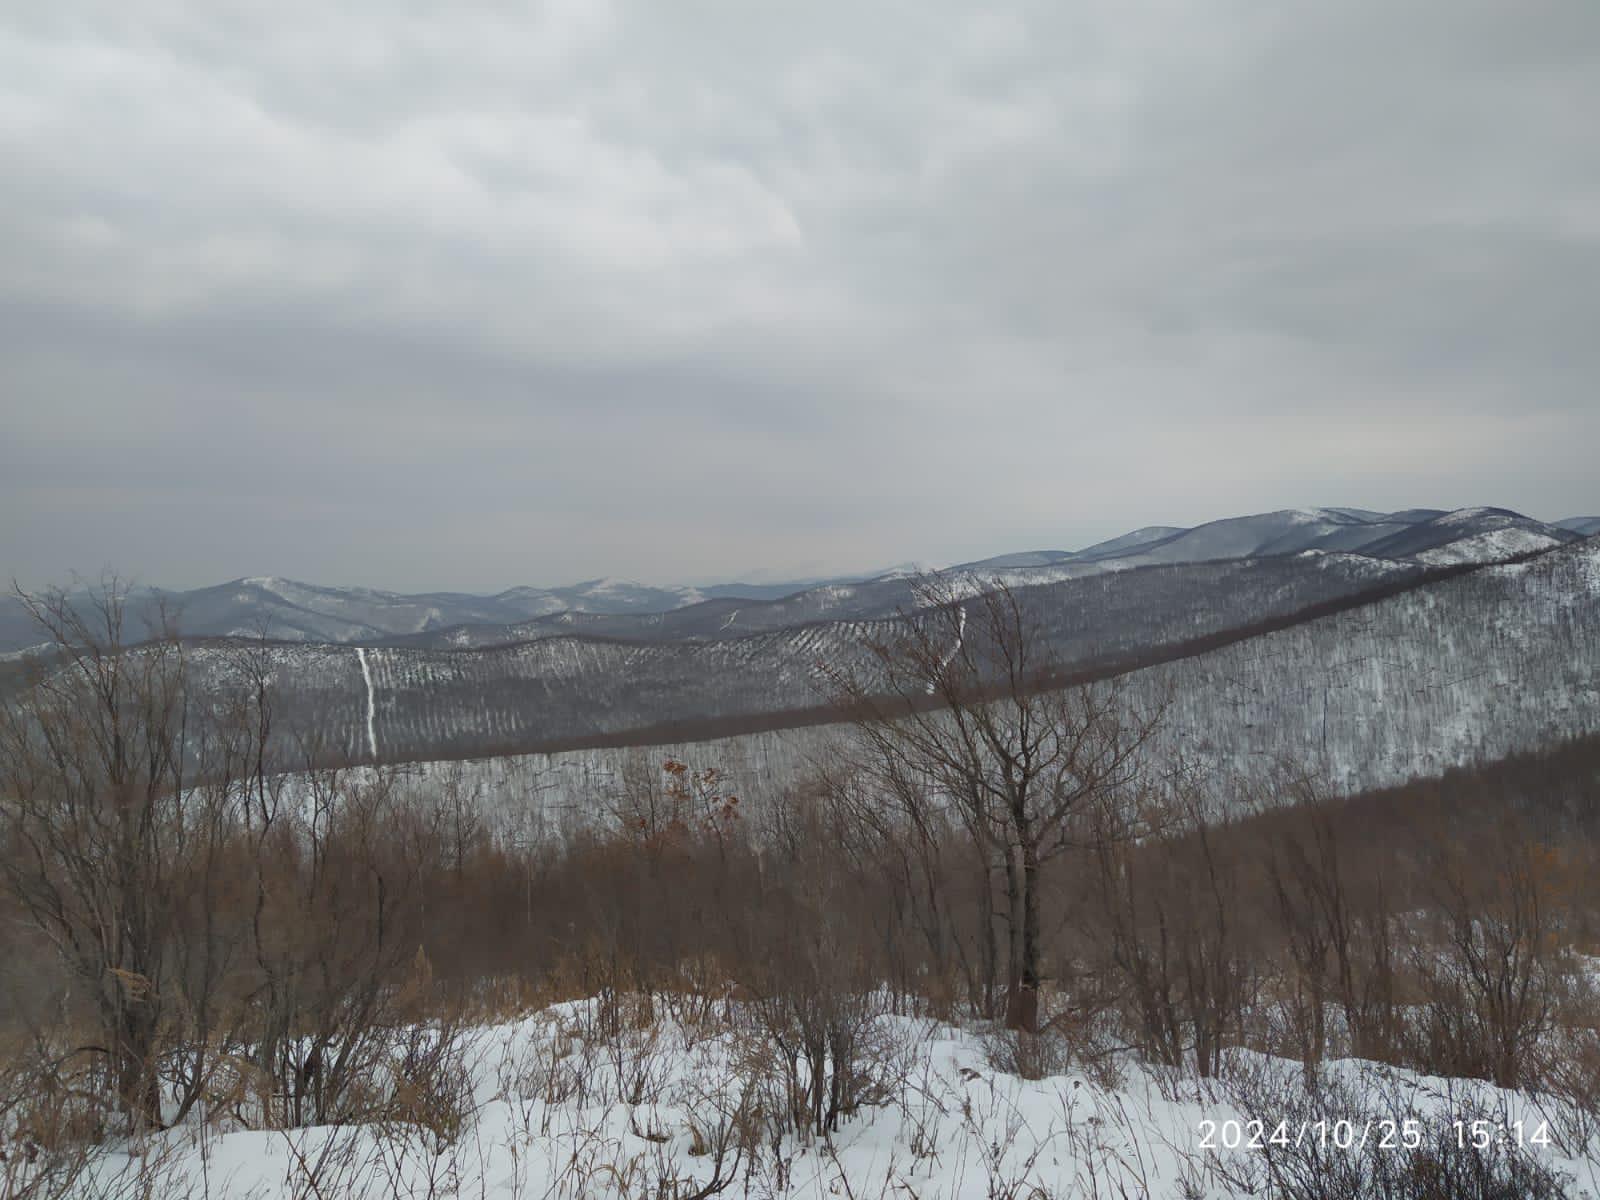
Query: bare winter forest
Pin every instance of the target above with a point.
(907, 600)
(998, 933)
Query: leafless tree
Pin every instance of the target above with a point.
(94, 778)
(965, 712)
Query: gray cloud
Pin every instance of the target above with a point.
(480, 294)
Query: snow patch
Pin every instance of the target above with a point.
(1493, 545)
(554, 1115)
(372, 707)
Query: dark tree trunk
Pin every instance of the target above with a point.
(991, 946)
(1027, 1008)
(1014, 940)
(138, 1090)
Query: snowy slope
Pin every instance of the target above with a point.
(1425, 537)
(552, 1114)
(434, 701)
(1457, 532)
(1469, 669)
(1284, 532)
(1492, 545)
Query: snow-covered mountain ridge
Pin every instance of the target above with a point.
(399, 704)
(1378, 668)
(289, 610)
(1466, 670)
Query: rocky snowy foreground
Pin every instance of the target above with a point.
(686, 1098)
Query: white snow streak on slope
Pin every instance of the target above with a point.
(372, 707)
(961, 633)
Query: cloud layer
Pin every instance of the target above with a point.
(478, 294)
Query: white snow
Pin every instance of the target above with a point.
(372, 706)
(1491, 546)
(961, 633)
(554, 1112)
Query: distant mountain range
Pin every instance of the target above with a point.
(286, 610)
(1463, 668)
(1398, 642)
(1407, 534)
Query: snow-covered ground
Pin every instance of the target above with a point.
(552, 1109)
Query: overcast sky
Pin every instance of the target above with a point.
(421, 295)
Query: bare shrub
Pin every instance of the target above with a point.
(1421, 1154)
(100, 819)
(431, 1088)
(1337, 936)
(1167, 932)
(1490, 982)
(1009, 1151)
(1028, 1055)
(1569, 1090)
(833, 1054)
(544, 1067)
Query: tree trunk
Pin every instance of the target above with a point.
(991, 945)
(138, 1090)
(1014, 940)
(1027, 1007)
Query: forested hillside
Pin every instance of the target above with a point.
(1467, 670)
(565, 692)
